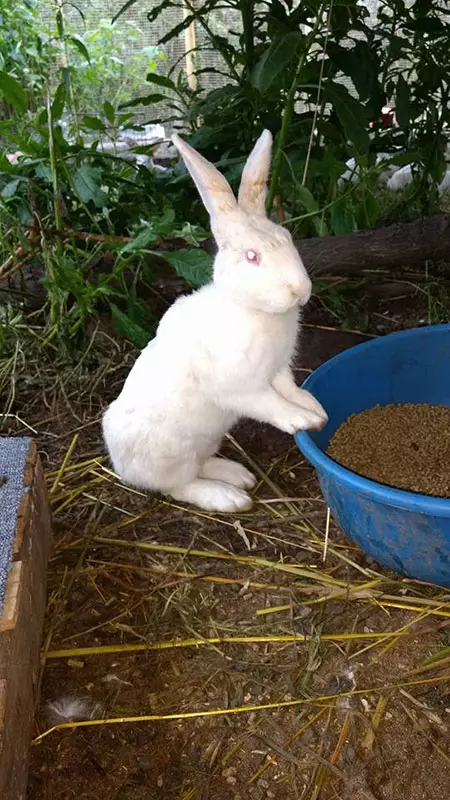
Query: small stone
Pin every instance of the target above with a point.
(229, 772)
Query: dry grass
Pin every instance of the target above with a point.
(278, 591)
(260, 657)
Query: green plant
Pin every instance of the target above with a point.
(87, 220)
(25, 53)
(276, 75)
(96, 223)
(70, 208)
(106, 76)
(315, 73)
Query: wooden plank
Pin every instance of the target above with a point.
(10, 613)
(21, 630)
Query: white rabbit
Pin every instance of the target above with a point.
(444, 185)
(401, 178)
(351, 174)
(220, 353)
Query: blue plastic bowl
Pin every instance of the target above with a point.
(407, 532)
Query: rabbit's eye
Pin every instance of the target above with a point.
(252, 256)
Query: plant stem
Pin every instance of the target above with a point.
(287, 113)
(247, 8)
(53, 166)
(319, 89)
(223, 52)
(286, 121)
(65, 70)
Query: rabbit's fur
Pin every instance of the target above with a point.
(220, 353)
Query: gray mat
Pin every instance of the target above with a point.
(13, 455)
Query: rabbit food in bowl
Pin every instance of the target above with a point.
(405, 529)
(405, 445)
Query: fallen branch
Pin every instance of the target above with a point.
(21, 255)
(399, 245)
(87, 236)
(394, 246)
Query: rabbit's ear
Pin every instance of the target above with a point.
(253, 189)
(213, 188)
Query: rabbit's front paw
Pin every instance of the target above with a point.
(306, 420)
(308, 402)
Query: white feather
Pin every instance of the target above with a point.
(70, 709)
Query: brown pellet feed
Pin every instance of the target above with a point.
(405, 445)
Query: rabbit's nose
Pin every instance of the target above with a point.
(300, 291)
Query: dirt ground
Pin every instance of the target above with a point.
(333, 644)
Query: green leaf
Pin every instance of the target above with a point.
(147, 100)
(59, 101)
(192, 234)
(129, 329)
(160, 80)
(164, 224)
(308, 201)
(59, 23)
(371, 209)
(93, 123)
(87, 183)
(427, 25)
(352, 115)
(139, 312)
(402, 102)
(5, 166)
(282, 50)
(141, 241)
(154, 13)
(195, 266)
(13, 93)
(422, 7)
(359, 63)
(122, 10)
(342, 217)
(175, 31)
(221, 98)
(81, 47)
(43, 172)
(109, 112)
(10, 189)
(70, 278)
(24, 212)
(78, 9)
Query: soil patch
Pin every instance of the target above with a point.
(405, 445)
(273, 607)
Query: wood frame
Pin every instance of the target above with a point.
(21, 625)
